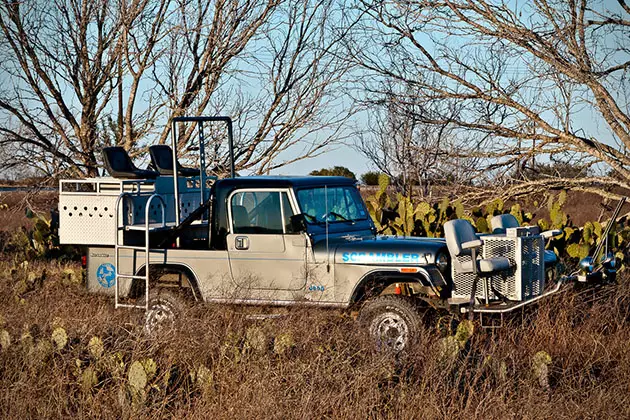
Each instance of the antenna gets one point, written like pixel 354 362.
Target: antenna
pixel 326 216
pixel 613 220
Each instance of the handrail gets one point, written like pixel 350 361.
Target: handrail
pixel 147 229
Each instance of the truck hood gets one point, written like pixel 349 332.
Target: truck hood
pixel 389 250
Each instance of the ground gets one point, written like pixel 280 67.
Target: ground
pixel 66 353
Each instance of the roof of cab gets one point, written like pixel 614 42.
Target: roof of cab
pixel 284 181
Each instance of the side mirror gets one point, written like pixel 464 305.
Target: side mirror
pixel 298 223
pixel 387 215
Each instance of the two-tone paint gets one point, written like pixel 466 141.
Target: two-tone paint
pixel 328 264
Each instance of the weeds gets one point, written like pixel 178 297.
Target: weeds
pixel 66 353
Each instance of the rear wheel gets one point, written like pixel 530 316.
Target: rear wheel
pixel 165 309
pixel 392 320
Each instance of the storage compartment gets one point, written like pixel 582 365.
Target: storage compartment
pixel 87 208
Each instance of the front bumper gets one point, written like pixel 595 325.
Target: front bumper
pixel 563 284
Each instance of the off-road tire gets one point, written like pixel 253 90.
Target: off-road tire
pixel 165 310
pixel 393 321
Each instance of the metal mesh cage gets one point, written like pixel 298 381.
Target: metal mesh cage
pixel 523 281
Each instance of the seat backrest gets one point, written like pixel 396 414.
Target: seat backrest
pixel 162 158
pixel 118 162
pixel 457 232
pixel 502 222
pixel 240 218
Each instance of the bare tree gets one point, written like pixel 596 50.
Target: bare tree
pixel 410 151
pixel 273 65
pixel 81 74
pixel 523 76
pixel 59 61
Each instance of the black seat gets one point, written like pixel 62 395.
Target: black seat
pixel 120 165
pixel 162 160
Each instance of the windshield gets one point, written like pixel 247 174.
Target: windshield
pixel 344 204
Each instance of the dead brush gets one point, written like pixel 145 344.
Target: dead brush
pixel 220 363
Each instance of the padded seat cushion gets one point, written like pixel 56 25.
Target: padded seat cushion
pixel 501 222
pixel 487 265
pixel 162 160
pixel 184 171
pixel 119 165
pixel 240 218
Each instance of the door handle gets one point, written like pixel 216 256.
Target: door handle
pixel 241 243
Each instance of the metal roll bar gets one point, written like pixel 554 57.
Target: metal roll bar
pixel 202 155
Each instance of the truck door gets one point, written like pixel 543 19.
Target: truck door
pixel 263 252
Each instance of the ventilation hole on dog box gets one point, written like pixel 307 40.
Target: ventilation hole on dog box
pixel 95 208
pixel 85 208
pixel 100 215
pixel 65 207
pixel 90 214
pixel 75 207
pixel 80 214
pixel 70 214
pixel 105 209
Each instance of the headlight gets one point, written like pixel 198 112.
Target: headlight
pixel 586 265
pixel 441 260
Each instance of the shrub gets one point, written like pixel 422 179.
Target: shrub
pixel 336 171
pixel 370 178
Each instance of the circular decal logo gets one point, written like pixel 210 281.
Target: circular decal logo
pixel 106 275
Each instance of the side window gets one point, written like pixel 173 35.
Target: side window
pixel 287 211
pixel 256 212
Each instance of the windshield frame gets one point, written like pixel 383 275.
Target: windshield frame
pixel 355 194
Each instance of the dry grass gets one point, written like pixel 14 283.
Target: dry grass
pixel 221 365
pixel 308 364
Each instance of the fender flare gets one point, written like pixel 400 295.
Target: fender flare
pixel 377 280
pixel 181 268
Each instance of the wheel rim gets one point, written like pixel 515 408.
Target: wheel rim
pixel 391 331
pixel 159 316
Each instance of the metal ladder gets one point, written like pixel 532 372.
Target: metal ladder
pixel 146 228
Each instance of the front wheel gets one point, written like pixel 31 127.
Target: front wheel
pixel 165 309
pixel 392 320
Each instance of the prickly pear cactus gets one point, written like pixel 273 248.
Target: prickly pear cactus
pixel 95 347
pixel 59 338
pixel 540 369
pixel 448 351
pixel 255 340
pixel 230 348
pixel 26 341
pixel 283 343
pixel 138 381
pixel 202 378
pixel 137 377
pixel 5 340
pixel 498 368
pixel 71 276
pixel 88 379
pixel 114 365
pixel 41 352
pixel 150 368
pixel 465 331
